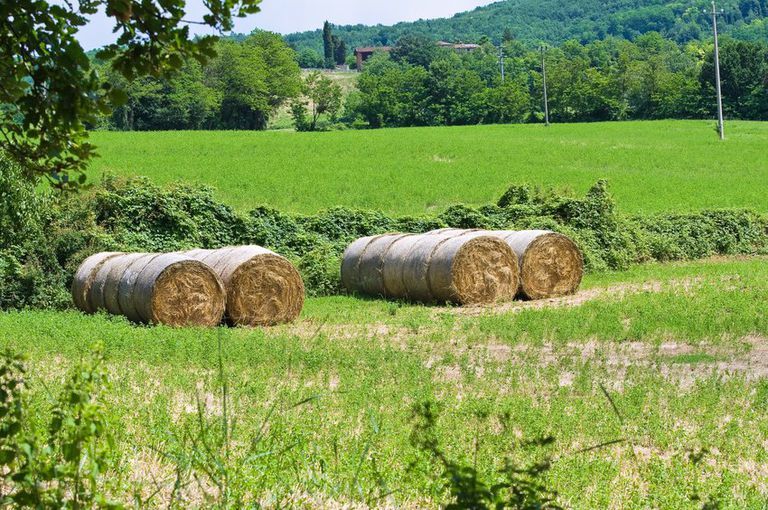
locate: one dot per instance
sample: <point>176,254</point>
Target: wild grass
<point>681,352</point>
<point>651,166</point>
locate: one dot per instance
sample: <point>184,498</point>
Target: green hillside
<point>651,166</point>
<point>553,21</point>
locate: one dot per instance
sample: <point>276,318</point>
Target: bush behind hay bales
<point>44,237</point>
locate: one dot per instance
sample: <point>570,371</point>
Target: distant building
<point>459,47</point>
<point>465,48</point>
<point>363,54</point>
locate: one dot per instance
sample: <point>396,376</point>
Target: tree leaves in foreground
<point>49,91</point>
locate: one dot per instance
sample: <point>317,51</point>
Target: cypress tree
<point>340,51</point>
<point>328,48</point>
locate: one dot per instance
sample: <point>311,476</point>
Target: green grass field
<point>320,412</point>
<point>652,166</point>
<point>681,349</point>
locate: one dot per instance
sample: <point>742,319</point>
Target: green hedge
<point>45,237</point>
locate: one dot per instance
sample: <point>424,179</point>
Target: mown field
<point>647,389</point>
<point>321,412</point>
<point>651,166</point>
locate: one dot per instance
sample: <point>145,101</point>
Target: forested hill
<point>555,21</point>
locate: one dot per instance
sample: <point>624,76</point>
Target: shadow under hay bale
<point>460,267</point>
<point>168,289</point>
<point>262,288</point>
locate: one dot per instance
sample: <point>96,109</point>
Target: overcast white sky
<point>286,16</point>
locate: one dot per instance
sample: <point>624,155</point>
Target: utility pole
<point>544,77</point>
<point>501,59</point>
<point>720,122</point>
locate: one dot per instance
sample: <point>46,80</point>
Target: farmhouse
<point>363,54</point>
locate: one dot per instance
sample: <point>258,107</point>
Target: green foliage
<point>137,215</point>
<point>65,466</point>
<point>324,97</point>
<point>513,487</point>
<point>534,21</point>
<point>50,91</point>
<point>610,79</point>
<point>744,72</point>
<point>30,274</point>
<point>414,49</point>
<point>140,216</point>
<point>661,166</point>
<point>252,79</point>
<point>183,101</point>
<point>310,59</point>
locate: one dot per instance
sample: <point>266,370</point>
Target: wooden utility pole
<point>501,59</point>
<point>544,78</point>
<point>720,121</point>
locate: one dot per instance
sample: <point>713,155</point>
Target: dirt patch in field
<point>395,336</point>
<point>619,291</point>
<point>678,362</point>
<point>398,335</point>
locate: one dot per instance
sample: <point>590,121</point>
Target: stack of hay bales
<point>150,288</point>
<point>463,267</point>
<point>263,288</point>
<point>253,285</point>
<point>551,264</point>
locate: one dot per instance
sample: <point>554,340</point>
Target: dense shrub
<point>45,237</point>
<point>30,273</point>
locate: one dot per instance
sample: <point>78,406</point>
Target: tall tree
<point>340,51</point>
<point>328,46</point>
<point>51,91</point>
<point>415,49</point>
<point>324,97</point>
<point>744,71</point>
<point>252,79</point>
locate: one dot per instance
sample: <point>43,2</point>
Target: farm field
<point>651,166</point>
<point>321,411</point>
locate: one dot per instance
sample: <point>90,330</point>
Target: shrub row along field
<point>354,402</point>
<point>48,237</point>
<point>652,166</point>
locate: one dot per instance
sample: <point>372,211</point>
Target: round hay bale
<point>462,267</point>
<point>417,265</point>
<point>350,264</point>
<point>174,290</point>
<point>127,283</point>
<point>262,288</point>
<point>362,267</point>
<point>110,295</point>
<point>473,268</point>
<point>392,266</point>
<point>551,264</point>
<point>83,281</point>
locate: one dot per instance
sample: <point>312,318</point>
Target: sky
<point>286,16</point>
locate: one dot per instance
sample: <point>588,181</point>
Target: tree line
<point>240,88</point>
<point>555,22</point>
<point>651,77</point>
<point>421,84</point>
